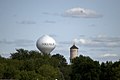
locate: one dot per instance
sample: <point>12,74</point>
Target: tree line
<point>33,65</point>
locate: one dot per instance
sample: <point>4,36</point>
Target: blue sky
<point>92,24</point>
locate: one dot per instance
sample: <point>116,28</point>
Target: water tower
<point>46,44</point>
<point>73,52</point>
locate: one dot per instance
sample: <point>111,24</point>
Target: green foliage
<point>110,71</point>
<point>48,72</point>
<point>116,71</point>
<point>59,58</point>
<point>84,68</point>
<point>66,71</point>
<point>62,66</point>
<point>32,65</point>
<point>1,70</point>
<point>21,54</point>
<point>30,75</point>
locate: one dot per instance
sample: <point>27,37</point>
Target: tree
<point>9,72</point>
<point>116,71</point>
<point>1,71</point>
<point>28,65</point>
<point>66,71</point>
<point>30,75</point>
<point>2,66</point>
<point>32,65</point>
<point>49,72</point>
<point>84,68</point>
<point>34,54</point>
<point>61,61</point>
<point>107,72</point>
<point>21,54</point>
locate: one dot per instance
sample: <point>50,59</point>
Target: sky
<point>92,24</point>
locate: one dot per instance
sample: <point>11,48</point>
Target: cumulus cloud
<point>81,12</point>
<point>101,47</point>
<point>75,41</point>
<point>100,41</point>
<point>109,55</point>
<point>18,43</point>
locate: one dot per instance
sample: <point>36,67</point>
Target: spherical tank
<point>46,44</point>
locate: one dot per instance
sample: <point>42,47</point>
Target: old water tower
<point>73,52</point>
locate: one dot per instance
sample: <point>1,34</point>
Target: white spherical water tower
<point>46,44</point>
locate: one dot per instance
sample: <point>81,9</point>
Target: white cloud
<point>83,41</point>
<point>75,41</point>
<point>101,47</point>
<point>100,41</point>
<point>109,55</point>
<point>82,12</point>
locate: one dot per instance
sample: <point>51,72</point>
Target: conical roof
<point>74,47</point>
